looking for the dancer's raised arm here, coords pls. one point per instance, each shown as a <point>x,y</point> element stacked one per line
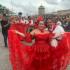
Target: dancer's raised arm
<point>19,33</point>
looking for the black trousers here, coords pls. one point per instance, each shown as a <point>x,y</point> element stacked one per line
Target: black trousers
<point>5,35</point>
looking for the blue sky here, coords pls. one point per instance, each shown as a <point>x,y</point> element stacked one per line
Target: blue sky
<point>31,6</point>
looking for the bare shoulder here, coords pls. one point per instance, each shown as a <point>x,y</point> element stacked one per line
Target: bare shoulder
<point>33,31</point>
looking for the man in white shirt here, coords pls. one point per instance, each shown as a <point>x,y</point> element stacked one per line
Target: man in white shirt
<point>57,30</point>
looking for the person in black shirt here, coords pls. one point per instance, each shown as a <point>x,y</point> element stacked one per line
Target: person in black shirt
<point>5,27</point>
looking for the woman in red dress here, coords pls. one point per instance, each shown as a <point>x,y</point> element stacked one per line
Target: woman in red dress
<point>36,56</point>
<point>59,47</point>
<point>14,41</point>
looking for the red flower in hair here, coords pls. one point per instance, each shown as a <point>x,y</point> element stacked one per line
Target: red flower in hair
<point>40,18</point>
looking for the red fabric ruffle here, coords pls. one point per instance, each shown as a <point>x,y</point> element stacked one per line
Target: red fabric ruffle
<point>40,56</point>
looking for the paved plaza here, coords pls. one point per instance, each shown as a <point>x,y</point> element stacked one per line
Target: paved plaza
<point>4,56</point>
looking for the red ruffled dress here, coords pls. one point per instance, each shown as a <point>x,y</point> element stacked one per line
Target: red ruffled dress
<point>68,39</point>
<point>23,57</point>
<point>41,53</point>
<point>15,45</point>
<point>59,55</point>
<point>39,56</point>
<point>45,57</point>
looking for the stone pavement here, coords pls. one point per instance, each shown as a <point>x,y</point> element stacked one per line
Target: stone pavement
<point>4,56</point>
